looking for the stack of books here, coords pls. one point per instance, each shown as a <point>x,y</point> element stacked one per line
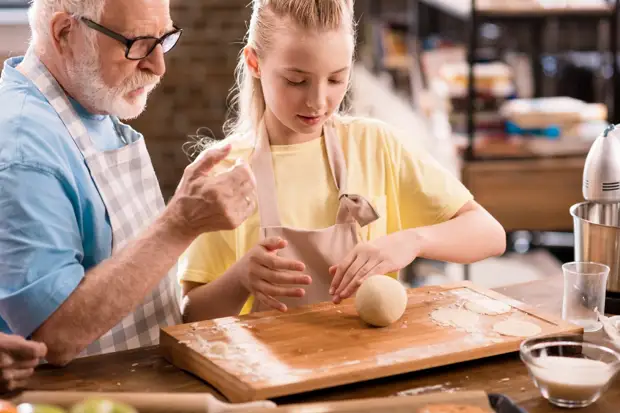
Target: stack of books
<point>555,125</point>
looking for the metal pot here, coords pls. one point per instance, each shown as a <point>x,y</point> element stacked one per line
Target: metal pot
<point>597,237</point>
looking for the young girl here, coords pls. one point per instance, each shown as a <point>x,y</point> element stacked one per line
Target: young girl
<point>339,198</point>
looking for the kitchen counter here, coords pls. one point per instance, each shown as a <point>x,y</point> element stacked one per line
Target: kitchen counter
<point>144,370</point>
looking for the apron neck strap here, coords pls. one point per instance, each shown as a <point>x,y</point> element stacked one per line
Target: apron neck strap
<point>262,165</point>
<point>335,156</point>
<point>40,76</point>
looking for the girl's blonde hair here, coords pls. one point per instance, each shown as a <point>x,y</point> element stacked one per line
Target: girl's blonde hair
<point>248,102</point>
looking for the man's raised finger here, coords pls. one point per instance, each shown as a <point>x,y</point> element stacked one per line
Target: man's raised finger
<point>209,158</point>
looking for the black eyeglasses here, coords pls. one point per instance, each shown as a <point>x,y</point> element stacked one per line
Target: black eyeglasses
<point>139,47</point>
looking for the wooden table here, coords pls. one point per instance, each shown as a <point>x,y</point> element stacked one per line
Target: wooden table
<point>145,370</point>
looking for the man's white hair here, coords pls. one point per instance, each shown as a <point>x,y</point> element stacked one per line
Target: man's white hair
<point>41,12</point>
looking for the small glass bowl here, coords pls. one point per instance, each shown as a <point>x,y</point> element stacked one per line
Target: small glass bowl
<point>568,371</point>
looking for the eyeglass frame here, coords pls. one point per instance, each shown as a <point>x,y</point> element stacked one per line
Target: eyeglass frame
<point>129,42</point>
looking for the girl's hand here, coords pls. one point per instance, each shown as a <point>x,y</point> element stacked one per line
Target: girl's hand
<point>268,276</point>
<point>384,255</point>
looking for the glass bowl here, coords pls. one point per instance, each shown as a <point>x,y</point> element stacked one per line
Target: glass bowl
<point>568,371</point>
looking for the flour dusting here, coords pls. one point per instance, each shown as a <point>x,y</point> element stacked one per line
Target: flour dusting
<point>428,389</point>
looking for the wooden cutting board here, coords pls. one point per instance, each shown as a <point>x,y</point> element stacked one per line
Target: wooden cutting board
<point>274,354</point>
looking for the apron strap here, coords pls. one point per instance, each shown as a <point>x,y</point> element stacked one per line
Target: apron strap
<point>262,165</point>
<point>337,163</point>
<point>353,208</point>
<point>38,74</point>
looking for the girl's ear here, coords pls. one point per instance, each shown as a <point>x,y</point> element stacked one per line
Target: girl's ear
<point>251,59</point>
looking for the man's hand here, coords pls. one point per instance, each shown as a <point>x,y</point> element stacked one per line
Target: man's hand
<point>18,358</point>
<point>207,202</point>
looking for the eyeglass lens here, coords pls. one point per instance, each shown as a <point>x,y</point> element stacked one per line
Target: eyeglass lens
<point>142,47</point>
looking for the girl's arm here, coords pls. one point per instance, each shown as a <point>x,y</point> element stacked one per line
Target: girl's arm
<point>223,297</point>
<point>471,235</point>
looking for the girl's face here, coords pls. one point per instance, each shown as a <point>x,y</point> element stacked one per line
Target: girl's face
<point>304,76</point>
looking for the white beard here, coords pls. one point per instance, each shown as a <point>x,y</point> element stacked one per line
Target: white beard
<point>86,77</point>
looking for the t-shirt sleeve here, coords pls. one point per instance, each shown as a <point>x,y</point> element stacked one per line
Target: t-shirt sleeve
<point>40,245</point>
<point>207,258</point>
<point>427,193</point>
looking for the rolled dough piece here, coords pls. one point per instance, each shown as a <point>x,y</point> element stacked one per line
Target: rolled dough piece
<point>381,300</point>
<point>487,306</point>
<point>218,348</point>
<point>516,328</point>
<point>456,317</point>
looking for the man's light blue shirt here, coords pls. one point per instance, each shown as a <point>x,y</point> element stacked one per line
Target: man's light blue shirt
<point>53,223</point>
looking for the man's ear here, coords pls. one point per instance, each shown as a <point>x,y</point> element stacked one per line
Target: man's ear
<point>61,26</point>
<point>251,59</point>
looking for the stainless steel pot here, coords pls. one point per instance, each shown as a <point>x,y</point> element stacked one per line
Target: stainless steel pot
<point>597,237</point>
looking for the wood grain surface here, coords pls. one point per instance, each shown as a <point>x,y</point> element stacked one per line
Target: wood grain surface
<point>279,354</point>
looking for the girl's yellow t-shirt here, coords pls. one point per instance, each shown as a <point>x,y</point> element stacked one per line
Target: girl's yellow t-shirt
<point>406,186</point>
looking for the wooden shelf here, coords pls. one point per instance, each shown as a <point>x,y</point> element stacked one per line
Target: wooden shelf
<point>493,148</point>
<point>519,9</point>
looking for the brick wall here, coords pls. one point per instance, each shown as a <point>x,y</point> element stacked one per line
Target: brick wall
<point>13,39</point>
<point>194,91</point>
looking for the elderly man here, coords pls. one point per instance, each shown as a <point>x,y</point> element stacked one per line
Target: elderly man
<point>86,242</point>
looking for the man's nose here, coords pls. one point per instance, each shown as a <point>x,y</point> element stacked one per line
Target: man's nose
<point>154,62</point>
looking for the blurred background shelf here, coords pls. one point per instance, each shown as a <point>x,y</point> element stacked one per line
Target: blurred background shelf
<point>472,60</point>
<point>524,8</point>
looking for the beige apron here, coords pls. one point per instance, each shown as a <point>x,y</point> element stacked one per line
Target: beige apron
<point>317,249</point>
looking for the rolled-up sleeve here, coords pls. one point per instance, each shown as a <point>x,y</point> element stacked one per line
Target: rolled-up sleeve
<point>40,245</point>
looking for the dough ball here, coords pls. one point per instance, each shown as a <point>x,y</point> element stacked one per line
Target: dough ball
<point>487,306</point>
<point>516,328</point>
<point>381,300</point>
